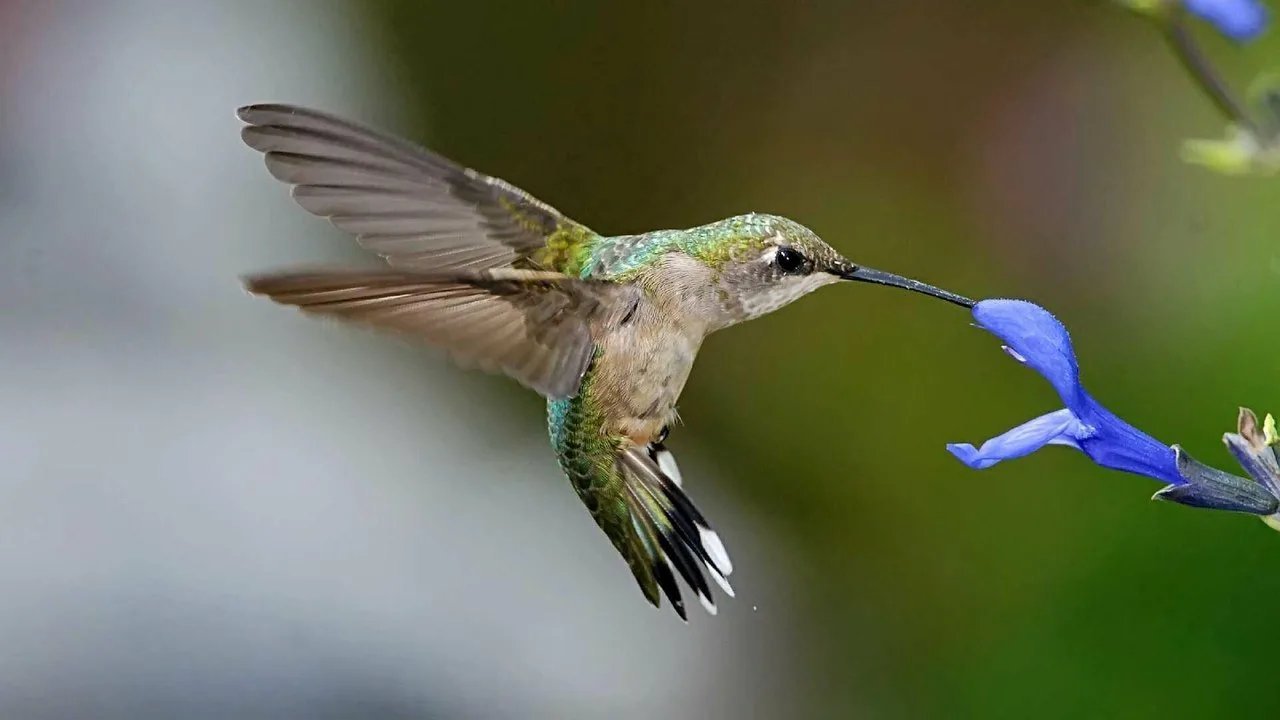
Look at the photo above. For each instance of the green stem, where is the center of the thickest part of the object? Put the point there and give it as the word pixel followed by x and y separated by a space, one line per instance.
pixel 1201 70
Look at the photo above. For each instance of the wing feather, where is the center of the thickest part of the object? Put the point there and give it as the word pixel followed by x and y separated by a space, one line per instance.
pixel 416 209
pixel 538 328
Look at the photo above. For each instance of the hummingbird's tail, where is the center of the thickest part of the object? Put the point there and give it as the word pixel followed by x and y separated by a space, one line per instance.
pixel 670 530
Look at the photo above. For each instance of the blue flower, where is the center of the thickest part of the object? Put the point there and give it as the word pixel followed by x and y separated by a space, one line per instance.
pixel 1237 19
pixel 1036 339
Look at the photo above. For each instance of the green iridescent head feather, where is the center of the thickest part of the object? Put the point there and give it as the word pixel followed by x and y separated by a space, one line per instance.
pixel 714 244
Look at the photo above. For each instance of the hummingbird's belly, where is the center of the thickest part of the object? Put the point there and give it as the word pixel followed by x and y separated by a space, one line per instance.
pixel 638 381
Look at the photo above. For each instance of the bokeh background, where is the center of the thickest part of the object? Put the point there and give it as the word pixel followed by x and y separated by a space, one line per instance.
pixel 211 507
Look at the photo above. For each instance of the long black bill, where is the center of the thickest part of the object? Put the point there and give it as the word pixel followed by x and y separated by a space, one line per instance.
pixel 867 275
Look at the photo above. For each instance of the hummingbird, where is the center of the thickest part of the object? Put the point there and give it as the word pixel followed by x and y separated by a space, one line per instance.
pixel 606 328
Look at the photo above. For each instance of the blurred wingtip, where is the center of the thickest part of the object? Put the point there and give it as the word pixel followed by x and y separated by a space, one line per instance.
pixel 270 283
pixel 253 283
pixel 245 112
pixel 253 112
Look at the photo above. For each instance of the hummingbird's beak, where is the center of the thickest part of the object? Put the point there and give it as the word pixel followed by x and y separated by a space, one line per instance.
pixel 849 271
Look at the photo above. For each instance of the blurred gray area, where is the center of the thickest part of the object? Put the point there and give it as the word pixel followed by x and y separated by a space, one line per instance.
pixel 214 507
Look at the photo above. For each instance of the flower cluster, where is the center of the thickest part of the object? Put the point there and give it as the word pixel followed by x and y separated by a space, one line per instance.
pixel 1036 339
pixel 1252 142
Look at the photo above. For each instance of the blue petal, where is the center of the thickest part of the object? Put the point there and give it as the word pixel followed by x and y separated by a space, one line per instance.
pixel 1036 339
pixel 1057 428
pixel 1237 19
pixel 1114 443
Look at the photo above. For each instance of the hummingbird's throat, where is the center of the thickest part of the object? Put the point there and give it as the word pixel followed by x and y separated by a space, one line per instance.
pixel 783 293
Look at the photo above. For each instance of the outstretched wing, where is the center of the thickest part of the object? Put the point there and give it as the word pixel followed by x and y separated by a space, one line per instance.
pixel 537 327
pixel 415 208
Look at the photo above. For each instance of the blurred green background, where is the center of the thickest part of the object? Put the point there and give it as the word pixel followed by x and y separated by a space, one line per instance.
pixel 992 148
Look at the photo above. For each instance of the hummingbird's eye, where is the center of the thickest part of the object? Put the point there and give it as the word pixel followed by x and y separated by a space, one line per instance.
pixel 789 260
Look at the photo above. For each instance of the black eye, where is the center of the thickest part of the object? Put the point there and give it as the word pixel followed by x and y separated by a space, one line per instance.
pixel 789 260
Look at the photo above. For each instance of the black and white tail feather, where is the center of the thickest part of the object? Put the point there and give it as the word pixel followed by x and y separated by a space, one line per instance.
pixel 676 534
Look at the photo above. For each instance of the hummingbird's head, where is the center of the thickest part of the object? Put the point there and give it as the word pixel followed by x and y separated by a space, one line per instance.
pixel 775 261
